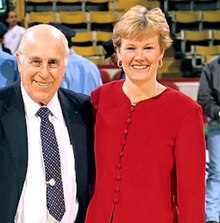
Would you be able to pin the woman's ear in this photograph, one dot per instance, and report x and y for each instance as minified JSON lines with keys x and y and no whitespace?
{"x":162,"y":53}
{"x":118,"y":53}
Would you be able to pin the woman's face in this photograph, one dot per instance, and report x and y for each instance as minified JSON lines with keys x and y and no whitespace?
{"x":140,"y":57}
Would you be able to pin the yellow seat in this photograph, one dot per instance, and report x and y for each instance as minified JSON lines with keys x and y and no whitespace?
{"x":210,"y":19}
{"x":103,"y":17}
{"x":83,"y":38}
{"x":102,"y":20}
{"x":40,"y":17}
{"x":209,"y":58}
{"x":102,"y":36}
{"x":88,"y":51}
{"x":204,"y":50}
{"x":185,"y":20}
{"x":74,"y":19}
{"x":215,"y":37}
{"x":152,"y":4}
{"x":116,"y":6}
{"x":211,"y":16}
{"x":200,"y":54}
{"x":189,"y":37}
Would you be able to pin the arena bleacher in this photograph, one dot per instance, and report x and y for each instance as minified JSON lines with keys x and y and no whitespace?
{"x":194,"y":25}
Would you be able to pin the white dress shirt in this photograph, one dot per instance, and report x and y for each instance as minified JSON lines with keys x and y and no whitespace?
{"x":32,"y":205}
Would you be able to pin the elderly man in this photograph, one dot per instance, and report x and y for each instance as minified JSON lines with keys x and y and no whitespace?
{"x":46,"y":137}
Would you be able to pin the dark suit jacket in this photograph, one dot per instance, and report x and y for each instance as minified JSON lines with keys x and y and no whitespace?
{"x":14,"y":150}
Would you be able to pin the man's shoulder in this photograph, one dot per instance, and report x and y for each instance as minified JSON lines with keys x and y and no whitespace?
{"x":5,"y":90}
{"x":211,"y":67}
{"x":6,"y":93}
{"x":214,"y":62}
{"x":79,"y":98}
{"x":78,"y":101}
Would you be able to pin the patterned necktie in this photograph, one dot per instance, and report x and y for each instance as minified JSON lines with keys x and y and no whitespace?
{"x":55,"y":197}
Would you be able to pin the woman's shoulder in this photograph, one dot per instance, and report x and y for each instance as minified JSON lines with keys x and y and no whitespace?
{"x":108,"y":92}
{"x":111,"y":86}
{"x":180,"y":99}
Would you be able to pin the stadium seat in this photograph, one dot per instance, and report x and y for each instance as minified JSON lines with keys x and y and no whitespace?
{"x":76,"y":19}
{"x":210,"y":19}
{"x":215,"y":37}
{"x":189,"y":20}
{"x":83,"y":38}
{"x":200,"y":54}
{"x":101,"y":20}
{"x":189,"y":37}
{"x":102,"y":36}
{"x":40,"y":17}
{"x":88,"y":51}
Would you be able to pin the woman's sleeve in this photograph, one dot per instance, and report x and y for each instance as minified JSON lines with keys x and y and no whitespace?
{"x":190,"y":168}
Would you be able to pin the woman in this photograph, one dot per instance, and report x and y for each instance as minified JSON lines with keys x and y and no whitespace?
{"x":149,"y":142}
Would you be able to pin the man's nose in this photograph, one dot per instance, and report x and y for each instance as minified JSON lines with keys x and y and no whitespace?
{"x":44,"y":70}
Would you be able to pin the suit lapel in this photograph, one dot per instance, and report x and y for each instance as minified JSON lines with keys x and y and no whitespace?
{"x":14,"y":125}
{"x":72,"y":121}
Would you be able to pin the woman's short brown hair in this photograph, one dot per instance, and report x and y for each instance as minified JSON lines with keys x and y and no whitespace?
{"x":138,"y":21}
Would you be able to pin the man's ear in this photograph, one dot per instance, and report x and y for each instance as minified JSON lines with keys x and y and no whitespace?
{"x":18,"y":57}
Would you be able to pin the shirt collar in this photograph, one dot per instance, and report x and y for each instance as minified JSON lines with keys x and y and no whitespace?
{"x":32,"y":107}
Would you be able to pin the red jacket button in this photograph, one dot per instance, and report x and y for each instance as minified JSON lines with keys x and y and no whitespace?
{"x":116,"y":200}
{"x":117,"y":189}
{"x":118,"y":177}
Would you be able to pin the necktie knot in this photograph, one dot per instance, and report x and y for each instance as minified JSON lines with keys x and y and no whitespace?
{"x":43,"y":112}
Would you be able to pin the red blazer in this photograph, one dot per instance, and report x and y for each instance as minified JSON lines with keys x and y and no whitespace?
{"x":150,"y":158}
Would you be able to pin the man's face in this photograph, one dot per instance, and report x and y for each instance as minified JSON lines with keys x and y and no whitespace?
{"x":12,"y":19}
{"x":42,"y":67}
